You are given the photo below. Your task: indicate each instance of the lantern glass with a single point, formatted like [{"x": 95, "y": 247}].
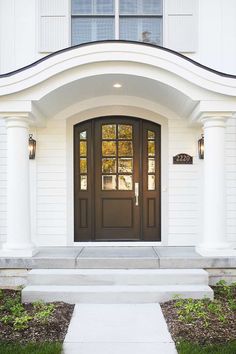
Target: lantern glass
[
  {"x": 201, "y": 148},
  {"x": 32, "y": 147}
]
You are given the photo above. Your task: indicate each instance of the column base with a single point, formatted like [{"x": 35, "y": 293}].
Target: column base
[
  {"x": 15, "y": 251},
  {"x": 219, "y": 250}
]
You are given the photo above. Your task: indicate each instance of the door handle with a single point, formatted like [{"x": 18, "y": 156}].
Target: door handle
[{"x": 136, "y": 191}]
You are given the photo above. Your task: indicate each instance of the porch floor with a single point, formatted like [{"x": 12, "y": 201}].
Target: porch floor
[{"x": 117, "y": 257}]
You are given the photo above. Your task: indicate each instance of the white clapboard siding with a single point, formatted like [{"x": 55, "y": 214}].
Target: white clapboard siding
[
  {"x": 182, "y": 25},
  {"x": 184, "y": 187},
  {"x": 230, "y": 160},
  {"x": 53, "y": 25},
  {"x": 51, "y": 208},
  {"x": 3, "y": 181}
]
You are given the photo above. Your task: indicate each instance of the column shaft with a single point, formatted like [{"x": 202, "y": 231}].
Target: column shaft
[
  {"x": 18, "y": 198},
  {"x": 214, "y": 225}
]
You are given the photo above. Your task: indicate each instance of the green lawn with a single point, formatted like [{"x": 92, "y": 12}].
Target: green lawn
[
  {"x": 189, "y": 348},
  {"x": 45, "y": 348}
]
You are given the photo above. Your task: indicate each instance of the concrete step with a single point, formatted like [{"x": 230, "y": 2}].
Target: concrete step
[
  {"x": 118, "y": 277},
  {"x": 113, "y": 293}
]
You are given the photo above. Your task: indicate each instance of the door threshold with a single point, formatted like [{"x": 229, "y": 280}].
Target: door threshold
[{"x": 119, "y": 244}]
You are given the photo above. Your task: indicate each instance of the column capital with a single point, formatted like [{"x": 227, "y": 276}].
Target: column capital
[
  {"x": 214, "y": 122},
  {"x": 17, "y": 122}
]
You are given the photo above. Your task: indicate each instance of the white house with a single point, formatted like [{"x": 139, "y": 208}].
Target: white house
[{"x": 117, "y": 94}]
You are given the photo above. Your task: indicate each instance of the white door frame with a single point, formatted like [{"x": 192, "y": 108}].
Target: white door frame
[{"x": 125, "y": 111}]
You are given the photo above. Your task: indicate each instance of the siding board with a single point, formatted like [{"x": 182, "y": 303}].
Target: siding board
[
  {"x": 51, "y": 210},
  {"x": 3, "y": 181}
]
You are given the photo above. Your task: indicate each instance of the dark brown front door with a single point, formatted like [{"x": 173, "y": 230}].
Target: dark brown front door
[{"x": 117, "y": 180}]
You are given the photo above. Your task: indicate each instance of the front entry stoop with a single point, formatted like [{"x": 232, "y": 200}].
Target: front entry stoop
[{"x": 113, "y": 286}]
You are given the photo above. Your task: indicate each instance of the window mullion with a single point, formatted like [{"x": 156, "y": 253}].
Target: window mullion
[{"x": 117, "y": 19}]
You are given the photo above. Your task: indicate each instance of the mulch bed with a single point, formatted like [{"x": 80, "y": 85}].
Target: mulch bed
[
  {"x": 53, "y": 331},
  {"x": 215, "y": 332}
]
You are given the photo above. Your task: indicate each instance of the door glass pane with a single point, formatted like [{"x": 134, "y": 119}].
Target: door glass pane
[
  {"x": 125, "y": 182},
  {"x": 83, "y": 165},
  {"x": 109, "y": 131},
  {"x": 125, "y": 148},
  {"x": 125, "y": 165},
  {"x": 83, "y": 148},
  {"x": 83, "y": 135},
  {"x": 151, "y": 148},
  {"x": 151, "y": 135},
  {"x": 109, "y": 182},
  {"x": 124, "y": 131},
  {"x": 151, "y": 165},
  {"x": 109, "y": 148},
  {"x": 83, "y": 183},
  {"x": 109, "y": 165},
  {"x": 151, "y": 182}
]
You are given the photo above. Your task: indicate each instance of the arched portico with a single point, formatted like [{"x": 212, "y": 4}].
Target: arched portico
[{"x": 81, "y": 80}]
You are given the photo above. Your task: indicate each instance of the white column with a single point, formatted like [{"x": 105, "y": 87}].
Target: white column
[
  {"x": 18, "y": 197},
  {"x": 214, "y": 202}
]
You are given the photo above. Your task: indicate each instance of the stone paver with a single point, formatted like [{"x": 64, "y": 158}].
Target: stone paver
[{"x": 118, "y": 328}]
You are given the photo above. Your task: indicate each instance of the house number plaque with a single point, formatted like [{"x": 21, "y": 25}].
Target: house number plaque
[{"x": 182, "y": 159}]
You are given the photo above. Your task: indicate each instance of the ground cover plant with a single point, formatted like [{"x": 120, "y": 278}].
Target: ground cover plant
[
  {"x": 31, "y": 323},
  {"x": 193, "y": 348},
  {"x": 32, "y": 348},
  {"x": 202, "y": 326}
]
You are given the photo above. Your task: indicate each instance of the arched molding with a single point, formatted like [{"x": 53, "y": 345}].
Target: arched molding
[{"x": 171, "y": 68}]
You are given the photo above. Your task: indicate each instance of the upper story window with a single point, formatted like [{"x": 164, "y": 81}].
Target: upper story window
[{"x": 136, "y": 20}]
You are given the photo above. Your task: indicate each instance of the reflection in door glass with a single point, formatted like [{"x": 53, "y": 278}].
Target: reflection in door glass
[
  {"x": 151, "y": 165},
  {"x": 151, "y": 135},
  {"x": 125, "y": 148},
  {"x": 151, "y": 148},
  {"x": 83, "y": 148},
  {"x": 109, "y": 165},
  {"x": 83, "y": 182},
  {"x": 125, "y": 183},
  {"x": 151, "y": 182},
  {"x": 124, "y": 131},
  {"x": 109, "y": 131},
  {"x": 109, "y": 182},
  {"x": 125, "y": 165},
  {"x": 83, "y": 165},
  {"x": 109, "y": 148},
  {"x": 83, "y": 135}
]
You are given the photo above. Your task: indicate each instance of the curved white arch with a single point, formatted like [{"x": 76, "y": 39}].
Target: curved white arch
[
  {"x": 112, "y": 103},
  {"x": 165, "y": 66}
]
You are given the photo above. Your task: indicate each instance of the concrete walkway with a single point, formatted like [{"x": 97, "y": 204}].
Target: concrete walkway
[{"x": 119, "y": 328}]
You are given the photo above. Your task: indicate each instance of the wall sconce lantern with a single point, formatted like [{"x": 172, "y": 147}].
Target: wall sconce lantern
[
  {"x": 201, "y": 148},
  {"x": 32, "y": 147}
]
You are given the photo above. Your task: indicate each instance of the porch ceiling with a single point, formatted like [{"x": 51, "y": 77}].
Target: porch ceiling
[{"x": 102, "y": 87}]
